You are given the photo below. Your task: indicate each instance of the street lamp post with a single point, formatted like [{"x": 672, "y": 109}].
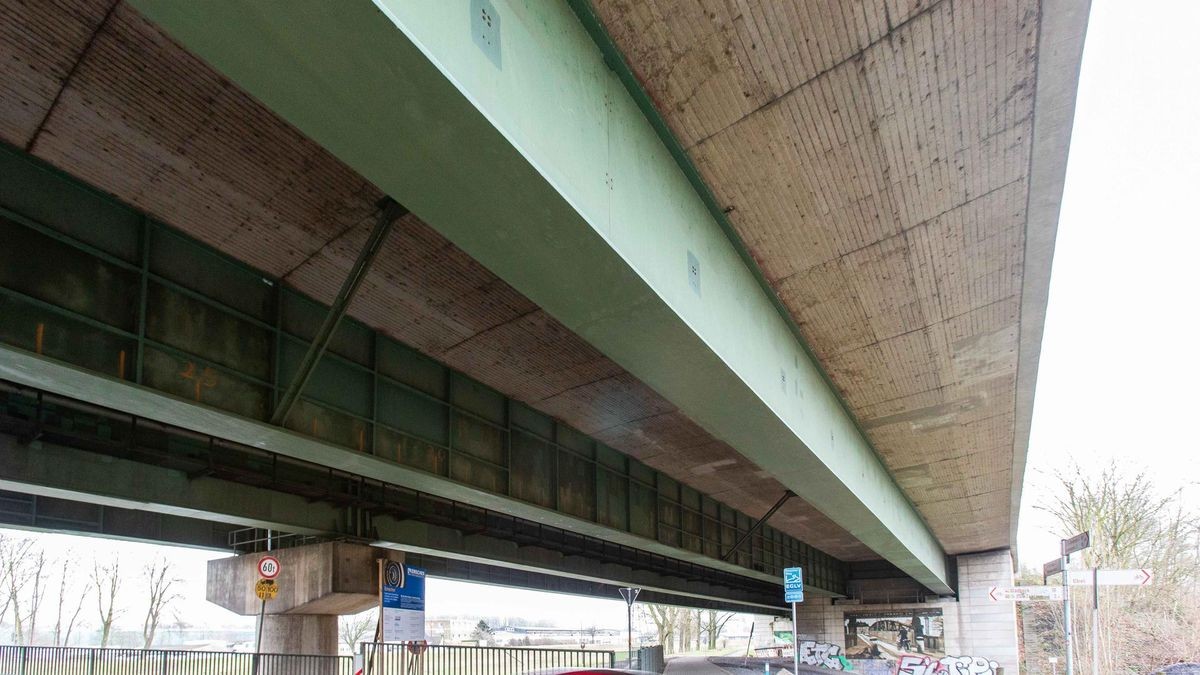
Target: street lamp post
[{"x": 630, "y": 595}]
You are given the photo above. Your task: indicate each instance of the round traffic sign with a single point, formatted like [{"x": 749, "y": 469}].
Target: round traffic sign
[{"x": 268, "y": 567}]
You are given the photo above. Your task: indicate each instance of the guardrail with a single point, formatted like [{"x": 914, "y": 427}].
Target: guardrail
[
  {"x": 402, "y": 659},
  {"x": 20, "y": 660}
]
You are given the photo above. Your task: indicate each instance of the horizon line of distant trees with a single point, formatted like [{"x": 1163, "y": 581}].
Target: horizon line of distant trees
[{"x": 48, "y": 603}]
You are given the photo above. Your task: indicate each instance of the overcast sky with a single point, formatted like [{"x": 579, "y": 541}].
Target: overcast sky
[
  {"x": 1120, "y": 358},
  {"x": 1121, "y": 355}
]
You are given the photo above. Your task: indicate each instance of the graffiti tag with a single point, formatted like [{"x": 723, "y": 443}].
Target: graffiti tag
[
  {"x": 919, "y": 664},
  {"x": 821, "y": 654}
]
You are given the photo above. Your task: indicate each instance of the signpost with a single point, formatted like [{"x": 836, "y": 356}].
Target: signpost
[
  {"x": 1077, "y": 543},
  {"x": 268, "y": 567},
  {"x": 793, "y": 592},
  {"x": 1099, "y": 577},
  {"x": 630, "y": 595},
  {"x": 1095, "y": 578},
  {"x": 1069, "y": 546},
  {"x": 1051, "y": 568},
  {"x": 1026, "y": 593},
  {"x": 266, "y": 589}
]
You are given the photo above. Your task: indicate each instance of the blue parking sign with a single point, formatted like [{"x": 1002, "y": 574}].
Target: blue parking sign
[{"x": 793, "y": 584}]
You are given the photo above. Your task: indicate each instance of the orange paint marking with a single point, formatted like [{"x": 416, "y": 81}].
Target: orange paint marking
[{"x": 204, "y": 379}]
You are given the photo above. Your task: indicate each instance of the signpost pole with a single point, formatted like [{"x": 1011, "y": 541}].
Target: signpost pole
[
  {"x": 793, "y": 592},
  {"x": 1095, "y": 621},
  {"x": 1066, "y": 575},
  {"x": 1066, "y": 615},
  {"x": 1073, "y": 545},
  {"x": 630, "y": 595},
  {"x": 795, "y": 641},
  {"x": 262, "y": 612}
]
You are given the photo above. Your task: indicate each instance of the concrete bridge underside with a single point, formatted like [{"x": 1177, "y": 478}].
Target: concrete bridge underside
[{"x": 564, "y": 254}]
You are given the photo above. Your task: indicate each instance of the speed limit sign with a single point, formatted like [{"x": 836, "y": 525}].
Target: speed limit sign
[{"x": 268, "y": 567}]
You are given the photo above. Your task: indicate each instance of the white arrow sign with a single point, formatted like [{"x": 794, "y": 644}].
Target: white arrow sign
[
  {"x": 1140, "y": 577},
  {"x": 1026, "y": 593}
]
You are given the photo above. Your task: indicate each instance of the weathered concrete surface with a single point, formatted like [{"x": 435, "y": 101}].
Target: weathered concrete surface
[
  {"x": 330, "y": 578},
  {"x": 300, "y": 634}
]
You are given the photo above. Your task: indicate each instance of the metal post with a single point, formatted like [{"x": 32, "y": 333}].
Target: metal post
[
  {"x": 1066, "y": 575},
  {"x": 630, "y": 596},
  {"x": 1095, "y": 621},
  {"x": 262, "y": 618},
  {"x": 795, "y": 641},
  {"x": 629, "y": 636}
]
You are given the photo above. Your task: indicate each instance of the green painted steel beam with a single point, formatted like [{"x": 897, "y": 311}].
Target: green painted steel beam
[
  {"x": 38, "y": 469},
  {"x": 519, "y": 144}
]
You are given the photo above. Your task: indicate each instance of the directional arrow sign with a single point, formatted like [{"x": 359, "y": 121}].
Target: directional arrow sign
[
  {"x": 1076, "y": 543},
  {"x": 1026, "y": 593},
  {"x": 1137, "y": 577},
  {"x": 1053, "y": 567}
]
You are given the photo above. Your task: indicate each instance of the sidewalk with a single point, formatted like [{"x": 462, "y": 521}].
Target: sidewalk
[{"x": 693, "y": 665}]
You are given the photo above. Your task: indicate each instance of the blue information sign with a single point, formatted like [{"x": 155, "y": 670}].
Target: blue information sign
[
  {"x": 402, "y": 596},
  {"x": 793, "y": 584}
]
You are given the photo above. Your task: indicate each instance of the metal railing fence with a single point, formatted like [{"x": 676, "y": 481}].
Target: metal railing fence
[
  {"x": 400, "y": 659},
  {"x": 21, "y": 660}
]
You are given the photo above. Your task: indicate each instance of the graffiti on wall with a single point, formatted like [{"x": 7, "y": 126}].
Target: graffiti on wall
[
  {"x": 820, "y": 654},
  {"x": 923, "y": 664}
]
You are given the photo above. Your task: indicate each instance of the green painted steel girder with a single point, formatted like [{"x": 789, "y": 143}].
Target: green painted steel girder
[{"x": 521, "y": 146}]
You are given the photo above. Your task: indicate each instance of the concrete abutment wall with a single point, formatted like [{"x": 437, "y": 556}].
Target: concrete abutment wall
[{"x": 973, "y": 625}]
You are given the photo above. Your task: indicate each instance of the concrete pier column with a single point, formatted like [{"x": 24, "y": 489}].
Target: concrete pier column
[
  {"x": 300, "y": 634},
  {"x": 317, "y": 583},
  {"x": 986, "y": 627}
]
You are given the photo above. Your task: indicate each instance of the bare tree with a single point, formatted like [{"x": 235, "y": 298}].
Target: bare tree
[
  {"x": 68, "y": 588},
  {"x": 352, "y": 629},
  {"x": 106, "y": 580},
  {"x": 160, "y": 585},
  {"x": 16, "y": 555},
  {"x": 712, "y": 623},
  {"x": 666, "y": 620},
  {"x": 37, "y": 577}
]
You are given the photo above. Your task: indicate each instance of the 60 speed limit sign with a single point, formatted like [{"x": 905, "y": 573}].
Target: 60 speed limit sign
[{"x": 268, "y": 567}]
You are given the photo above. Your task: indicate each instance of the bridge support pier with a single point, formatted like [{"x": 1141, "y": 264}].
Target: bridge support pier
[
  {"x": 317, "y": 583},
  {"x": 300, "y": 634}
]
